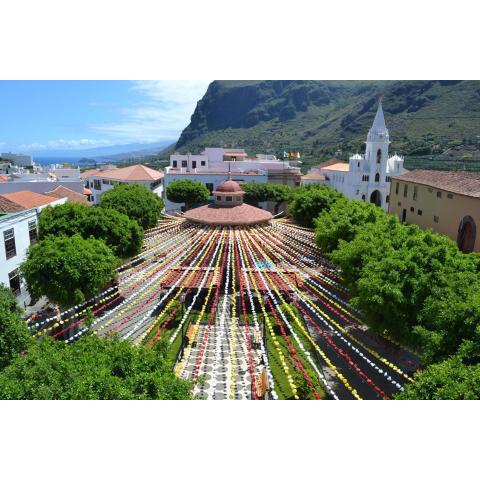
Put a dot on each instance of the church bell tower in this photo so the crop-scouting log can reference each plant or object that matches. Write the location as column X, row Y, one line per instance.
column 376, row 153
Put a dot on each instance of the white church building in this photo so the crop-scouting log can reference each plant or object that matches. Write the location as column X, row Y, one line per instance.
column 365, row 177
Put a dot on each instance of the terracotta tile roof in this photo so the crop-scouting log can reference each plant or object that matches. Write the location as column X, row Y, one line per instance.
column 28, row 199
column 72, row 196
column 86, row 191
column 462, row 183
column 239, row 215
column 135, row 172
column 327, row 163
column 89, row 173
column 3, row 178
column 7, row 206
column 339, row 167
column 313, row 176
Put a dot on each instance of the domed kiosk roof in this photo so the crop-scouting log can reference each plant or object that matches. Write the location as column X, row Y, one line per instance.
column 229, row 186
column 228, row 209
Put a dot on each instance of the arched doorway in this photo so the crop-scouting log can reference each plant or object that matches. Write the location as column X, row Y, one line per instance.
column 467, row 233
column 376, row 198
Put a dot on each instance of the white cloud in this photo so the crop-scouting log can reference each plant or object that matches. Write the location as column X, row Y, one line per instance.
column 163, row 112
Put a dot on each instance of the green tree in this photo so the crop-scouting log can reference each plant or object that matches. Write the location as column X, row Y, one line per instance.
column 123, row 235
column 308, row 202
column 68, row 270
column 264, row 192
column 449, row 321
column 447, row 380
column 189, row 192
column 393, row 269
column 91, row 369
column 135, row 201
column 342, row 221
column 14, row 334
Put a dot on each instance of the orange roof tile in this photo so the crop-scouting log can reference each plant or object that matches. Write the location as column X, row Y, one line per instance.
column 28, row 199
column 463, row 183
column 313, row 176
column 240, row 215
column 71, row 195
column 135, row 172
column 7, row 206
column 338, row 167
column 89, row 173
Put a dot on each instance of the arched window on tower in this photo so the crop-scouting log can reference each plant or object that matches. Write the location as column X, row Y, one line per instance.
column 379, row 155
column 377, row 177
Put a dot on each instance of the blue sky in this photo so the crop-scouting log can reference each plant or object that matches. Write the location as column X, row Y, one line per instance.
column 53, row 115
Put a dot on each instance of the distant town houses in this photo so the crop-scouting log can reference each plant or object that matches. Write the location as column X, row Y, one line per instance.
column 213, row 165
column 98, row 181
column 366, row 176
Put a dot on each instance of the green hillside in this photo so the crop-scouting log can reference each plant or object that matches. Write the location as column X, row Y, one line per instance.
column 435, row 124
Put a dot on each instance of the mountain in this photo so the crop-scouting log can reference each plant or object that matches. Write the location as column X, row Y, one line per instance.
column 433, row 123
column 99, row 153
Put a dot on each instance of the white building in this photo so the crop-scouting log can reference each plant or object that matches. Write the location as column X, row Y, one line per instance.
column 99, row 181
column 18, row 159
column 365, row 177
column 17, row 232
column 211, row 168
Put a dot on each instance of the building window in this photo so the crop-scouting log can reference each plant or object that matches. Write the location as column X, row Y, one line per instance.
column 9, row 239
column 219, row 198
column 439, row 194
column 97, row 185
column 377, row 177
column 14, row 280
column 435, row 218
column 412, row 209
column 228, row 198
column 238, row 199
column 358, row 164
column 194, row 164
column 174, row 164
column 202, row 163
column 358, row 191
column 419, row 212
column 397, row 186
column 105, row 182
column 210, row 187
column 184, row 164
column 415, row 193
column 387, row 179
column 449, row 195
column 387, row 199
column 399, row 204
column 32, row 231
column 363, row 197
column 379, row 155
column 405, row 190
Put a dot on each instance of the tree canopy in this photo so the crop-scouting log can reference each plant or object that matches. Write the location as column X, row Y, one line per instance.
column 135, row 201
column 14, row 334
column 91, row 368
column 447, row 380
column 308, row 202
column 343, row 220
column 68, row 270
column 123, row 235
column 189, row 192
column 265, row 191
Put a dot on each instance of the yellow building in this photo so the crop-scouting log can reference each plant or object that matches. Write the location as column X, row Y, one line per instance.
column 446, row 202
